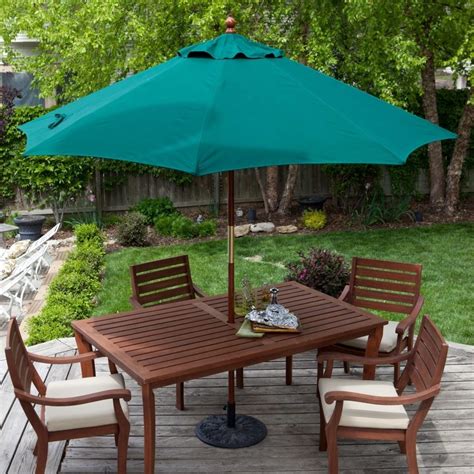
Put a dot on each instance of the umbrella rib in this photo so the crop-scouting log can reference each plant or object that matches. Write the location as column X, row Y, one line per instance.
column 401, row 160
column 208, row 112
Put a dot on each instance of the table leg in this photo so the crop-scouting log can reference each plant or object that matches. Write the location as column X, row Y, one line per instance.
column 88, row 367
column 149, row 428
column 372, row 350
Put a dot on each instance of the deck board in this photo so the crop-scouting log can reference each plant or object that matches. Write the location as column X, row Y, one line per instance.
column 445, row 441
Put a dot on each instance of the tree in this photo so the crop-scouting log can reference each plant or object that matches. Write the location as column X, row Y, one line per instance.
column 436, row 34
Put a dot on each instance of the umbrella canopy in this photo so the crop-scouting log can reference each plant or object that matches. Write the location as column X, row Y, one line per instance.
column 227, row 104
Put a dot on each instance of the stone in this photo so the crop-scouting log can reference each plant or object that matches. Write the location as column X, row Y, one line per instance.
column 286, row 229
column 263, row 227
column 241, row 230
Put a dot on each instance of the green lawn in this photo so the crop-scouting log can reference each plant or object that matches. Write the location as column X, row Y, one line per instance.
column 445, row 251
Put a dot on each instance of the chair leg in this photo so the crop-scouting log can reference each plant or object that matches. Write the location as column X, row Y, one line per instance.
column 333, row 461
column 180, row 396
column 122, row 450
column 289, row 370
column 116, row 436
column 347, row 368
column 41, row 460
column 323, row 445
column 35, row 451
column 240, row 377
column 403, row 447
column 411, row 456
column 396, row 372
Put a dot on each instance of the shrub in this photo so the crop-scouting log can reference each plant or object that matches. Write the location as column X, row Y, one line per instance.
column 72, row 283
column 131, row 231
column 155, row 208
column 91, row 254
column 321, row 270
column 110, row 220
column 71, row 294
column 163, row 225
column 88, row 233
column 185, row 228
column 314, row 220
column 207, row 228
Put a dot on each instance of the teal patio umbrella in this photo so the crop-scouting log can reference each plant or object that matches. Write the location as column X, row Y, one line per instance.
column 226, row 104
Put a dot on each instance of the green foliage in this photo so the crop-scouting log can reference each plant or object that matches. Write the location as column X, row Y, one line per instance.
column 72, row 293
column 164, row 224
column 110, row 220
column 185, row 228
column 314, row 220
column 152, row 209
column 321, row 270
column 132, row 230
column 88, row 232
column 207, row 228
column 347, row 181
column 180, row 226
column 379, row 209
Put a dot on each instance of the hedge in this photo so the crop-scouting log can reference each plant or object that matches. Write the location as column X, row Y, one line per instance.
column 71, row 294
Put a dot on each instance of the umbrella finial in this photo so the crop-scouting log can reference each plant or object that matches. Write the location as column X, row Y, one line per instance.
column 230, row 24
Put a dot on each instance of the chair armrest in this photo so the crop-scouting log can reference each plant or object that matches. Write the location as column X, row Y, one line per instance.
column 198, row 291
column 70, row 401
column 64, row 360
column 134, row 302
column 334, row 396
column 345, row 293
column 411, row 318
column 330, row 356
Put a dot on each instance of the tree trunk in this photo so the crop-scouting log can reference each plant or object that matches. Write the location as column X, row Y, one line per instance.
column 262, row 190
column 288, row 192
column 435, row 152
column 272, row 188
column 461, row 147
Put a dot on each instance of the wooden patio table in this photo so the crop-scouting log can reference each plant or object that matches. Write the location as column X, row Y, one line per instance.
column 185, row 340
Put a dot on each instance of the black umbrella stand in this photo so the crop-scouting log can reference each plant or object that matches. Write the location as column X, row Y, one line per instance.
column 231, row 431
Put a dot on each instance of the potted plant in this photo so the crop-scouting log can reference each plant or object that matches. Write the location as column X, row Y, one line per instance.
column 29, row 226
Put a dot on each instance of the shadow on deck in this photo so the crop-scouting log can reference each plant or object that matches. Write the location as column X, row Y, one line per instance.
column 445, row 442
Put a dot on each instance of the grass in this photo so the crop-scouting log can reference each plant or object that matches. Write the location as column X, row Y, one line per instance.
column 446, row 252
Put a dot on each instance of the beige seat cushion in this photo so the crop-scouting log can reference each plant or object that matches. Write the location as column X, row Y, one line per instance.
column 364, row 415
column 17, row 249
column 89, row 414
column 387, row 344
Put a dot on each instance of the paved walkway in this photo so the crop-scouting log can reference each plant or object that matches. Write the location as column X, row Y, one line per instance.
column 33, row 302
column 445, row 441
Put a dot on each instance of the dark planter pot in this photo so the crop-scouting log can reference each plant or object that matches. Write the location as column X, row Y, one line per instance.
column 29, row 226
column 312, row 202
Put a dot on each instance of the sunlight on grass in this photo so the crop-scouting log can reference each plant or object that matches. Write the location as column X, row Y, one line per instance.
column 445, row 251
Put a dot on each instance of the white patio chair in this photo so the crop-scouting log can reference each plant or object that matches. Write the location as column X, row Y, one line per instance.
column 13, row 288
column 30, row 267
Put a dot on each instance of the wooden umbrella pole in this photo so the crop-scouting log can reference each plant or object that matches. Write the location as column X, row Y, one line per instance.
column 230, row 243
column 230, row 291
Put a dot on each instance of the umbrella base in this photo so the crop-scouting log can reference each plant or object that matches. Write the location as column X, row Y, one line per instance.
column 214, row 430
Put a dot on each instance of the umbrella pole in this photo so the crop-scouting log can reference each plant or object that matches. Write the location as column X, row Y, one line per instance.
column 230, row 291
column 231, row 431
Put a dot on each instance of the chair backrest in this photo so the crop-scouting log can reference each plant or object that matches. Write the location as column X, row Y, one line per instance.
column 21, row 369
column 162, row 281
column 43, row 239
column 426, row 365
column 384, row 285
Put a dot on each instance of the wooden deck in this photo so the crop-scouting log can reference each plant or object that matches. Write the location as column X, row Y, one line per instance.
column 445, row 442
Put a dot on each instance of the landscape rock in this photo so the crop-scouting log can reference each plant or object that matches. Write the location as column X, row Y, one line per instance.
column 263, row 227
column 286, row 229
column 241, row 230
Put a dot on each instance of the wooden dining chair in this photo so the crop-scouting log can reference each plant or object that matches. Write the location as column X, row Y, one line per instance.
column 391, row 287
column 163, row 281
column 373, row 409
column 76, row 408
